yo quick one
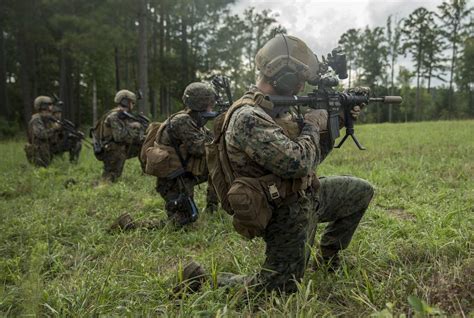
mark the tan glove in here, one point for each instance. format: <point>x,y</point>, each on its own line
<point>135,125</point>
<point>360,90</point>
<point>318,118</point>
<point>356,110</point>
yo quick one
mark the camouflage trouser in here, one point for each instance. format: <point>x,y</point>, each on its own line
<point>74,147</point>
<point>170,190</point>
<point>341,201</point>
<point>71,145</point>
<point>38,154</point>
<point>114,159</point>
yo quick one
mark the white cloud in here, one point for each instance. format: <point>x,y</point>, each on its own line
<point>321,23</point>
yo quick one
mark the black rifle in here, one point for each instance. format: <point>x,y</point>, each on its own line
<point>68,125</point>
<point>140,118</point>
<point>334,103</point>
<point>221,85</point>
<point>326,97</point>
<point>184,201</point>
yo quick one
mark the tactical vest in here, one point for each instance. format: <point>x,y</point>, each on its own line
<point>100,130</point>
<point>250,200</point>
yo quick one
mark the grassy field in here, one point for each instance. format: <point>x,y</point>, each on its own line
<point>413,250</point>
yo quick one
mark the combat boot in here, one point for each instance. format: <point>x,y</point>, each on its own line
<point>327,259</point>
<point>124,222</point>
<point>329,263</point>
<point>194,276</point>
<point>211,208</point>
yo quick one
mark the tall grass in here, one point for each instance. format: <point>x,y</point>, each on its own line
<point>412,254</point>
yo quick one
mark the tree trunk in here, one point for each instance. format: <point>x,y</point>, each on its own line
<point>392,87</point>
<point>350,73</point>
<point>94,101</point>
<point>471,101</point>
<point>76,96</point>
<point>27,68</point>
<point>418,71</point>
<point>63,82</point>
<point>4,110</point>
<point>162,60</point>
<point>453,62</point>
<point>167,50</point>
<point>154,65</point>
<point>117,69</point>
<point>143,57</point>
<point>184,54</point>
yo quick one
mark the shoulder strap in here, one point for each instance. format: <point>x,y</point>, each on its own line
<point>248,99</point>
<point>166,125</point>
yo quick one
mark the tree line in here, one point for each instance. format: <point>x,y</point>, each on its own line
<point>440,46</point>
<point>84,51</point>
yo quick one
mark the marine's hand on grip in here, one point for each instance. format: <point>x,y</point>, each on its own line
<point>361,91</point>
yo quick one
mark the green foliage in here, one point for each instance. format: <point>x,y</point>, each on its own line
<point>8,129</point>
<point>58,259</point>
<point>373,57</point>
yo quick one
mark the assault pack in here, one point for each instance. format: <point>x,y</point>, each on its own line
<point>163,161</point>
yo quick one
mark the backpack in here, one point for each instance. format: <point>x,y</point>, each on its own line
<point>97,133</point>
<point>151,133</point>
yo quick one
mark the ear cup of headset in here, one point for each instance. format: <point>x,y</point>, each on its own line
<point>125,102</point>
<point>286,82</point>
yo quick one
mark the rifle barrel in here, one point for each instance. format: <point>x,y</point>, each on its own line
<point>387,99</point>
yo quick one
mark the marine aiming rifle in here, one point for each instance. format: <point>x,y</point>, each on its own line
<point>326,97</point>
<point>68,125</point>
<point>140,118</point>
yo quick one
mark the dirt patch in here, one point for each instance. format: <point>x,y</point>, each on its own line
<point>453,291</point>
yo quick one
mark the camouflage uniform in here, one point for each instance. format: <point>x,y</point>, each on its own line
<point>121,140</point>
<point>257,146</point>
<point>41,133</point>
<point>64,141</point>
<point>185,131</point>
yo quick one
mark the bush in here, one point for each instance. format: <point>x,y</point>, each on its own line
<point>8,129</point>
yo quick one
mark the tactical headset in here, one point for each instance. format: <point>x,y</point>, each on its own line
<point>44,106</point>
<point>125,102</point>
<point>286,80</point>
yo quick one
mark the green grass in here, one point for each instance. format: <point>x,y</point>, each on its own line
<point>413,250</point>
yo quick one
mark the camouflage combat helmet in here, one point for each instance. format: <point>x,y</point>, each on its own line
<point>123,97</point>
<point>198,96</point>
<point>41,102</point>
<point>287,60</point>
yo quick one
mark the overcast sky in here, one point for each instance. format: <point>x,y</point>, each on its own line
<point>320,23</point>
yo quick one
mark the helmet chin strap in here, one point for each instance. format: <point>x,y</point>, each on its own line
<point>198,119</point>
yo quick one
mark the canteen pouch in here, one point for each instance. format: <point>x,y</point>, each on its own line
<point>217,175</point>
<point>197,166</point>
